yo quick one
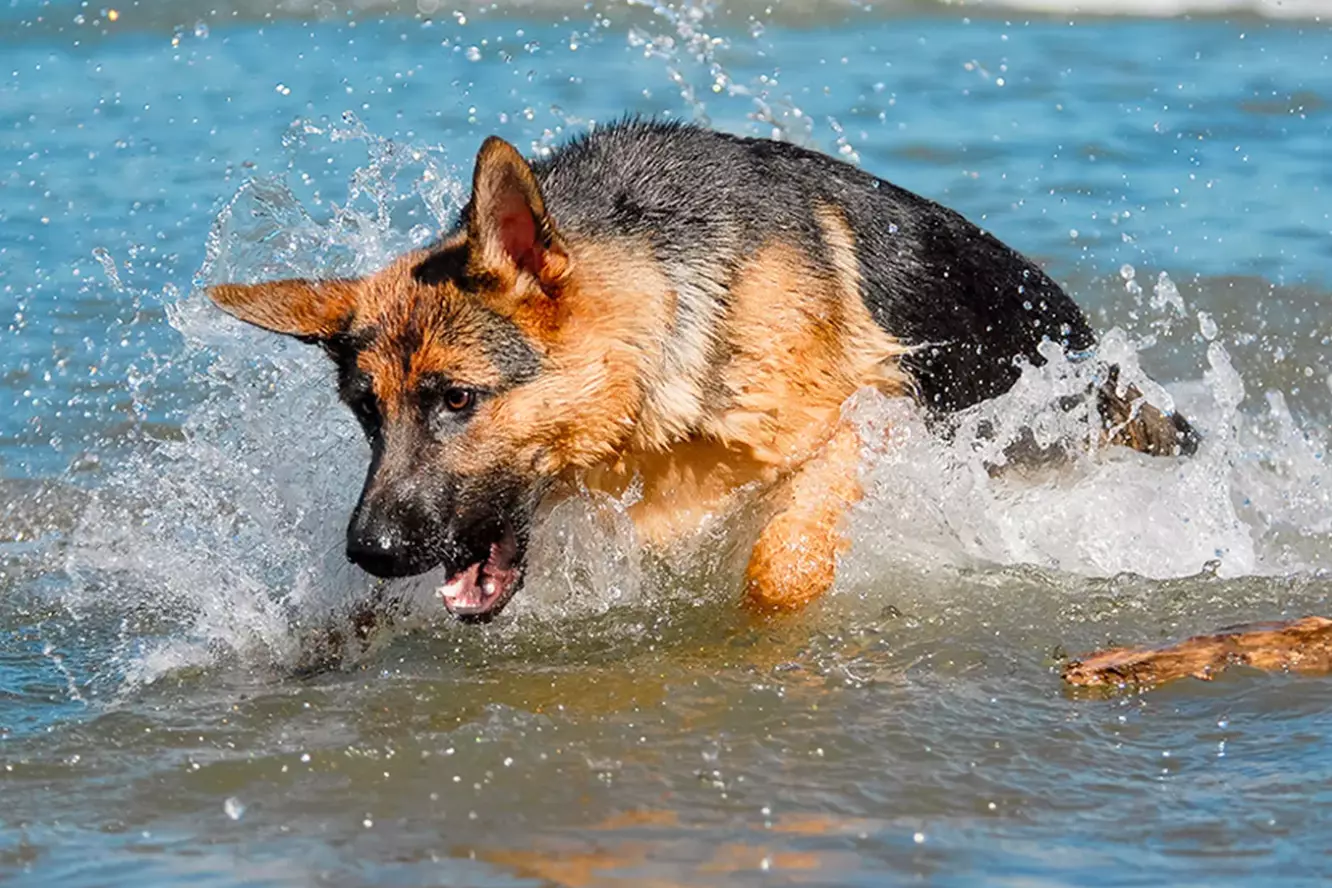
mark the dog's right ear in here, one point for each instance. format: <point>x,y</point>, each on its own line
<point>311,310</point>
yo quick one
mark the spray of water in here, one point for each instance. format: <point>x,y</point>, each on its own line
<point>1253,501</point>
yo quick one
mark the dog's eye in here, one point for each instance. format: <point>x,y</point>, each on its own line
<point>457,400</point>
<point>447,405</point>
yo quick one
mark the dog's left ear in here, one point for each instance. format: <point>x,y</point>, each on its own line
<point>311,310</point>
<point>508,219</point>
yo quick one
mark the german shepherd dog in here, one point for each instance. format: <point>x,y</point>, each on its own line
<point>661,305</point>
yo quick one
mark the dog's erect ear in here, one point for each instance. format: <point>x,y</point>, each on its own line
<point>508,220</point>
<point>312,310</point>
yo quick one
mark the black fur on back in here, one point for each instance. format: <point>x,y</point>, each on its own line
<point>707,201</point>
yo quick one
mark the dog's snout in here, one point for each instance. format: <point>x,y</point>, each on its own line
<point>390,543</point>
<point>378,554</point>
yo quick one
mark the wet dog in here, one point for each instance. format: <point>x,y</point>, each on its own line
<point>661,305</point>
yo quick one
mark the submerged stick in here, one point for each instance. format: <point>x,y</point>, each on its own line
<point>1303,645</point>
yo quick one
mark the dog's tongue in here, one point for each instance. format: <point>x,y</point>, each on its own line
<point>462,593</point>
<point>484,587</point>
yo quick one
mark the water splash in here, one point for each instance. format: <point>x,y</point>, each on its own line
<point>692,47</point>
<point>230,534</point>
<point>1254,500</point>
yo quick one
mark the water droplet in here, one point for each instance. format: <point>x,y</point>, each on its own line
<point>103,257</point>
<point>1165,293</point>
<point>1206,326</point>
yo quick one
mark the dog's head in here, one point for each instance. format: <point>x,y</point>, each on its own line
<point>445,357</point>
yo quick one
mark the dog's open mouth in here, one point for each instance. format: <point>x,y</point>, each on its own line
<point>480,591</point>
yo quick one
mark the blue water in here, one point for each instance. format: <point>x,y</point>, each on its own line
<point>173,487</point>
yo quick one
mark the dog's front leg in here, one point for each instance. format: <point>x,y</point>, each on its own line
<point>795,557</point>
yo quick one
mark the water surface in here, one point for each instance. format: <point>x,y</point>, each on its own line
<point>173,486</point>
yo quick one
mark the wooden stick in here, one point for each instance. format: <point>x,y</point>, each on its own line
<point>1303,645</point>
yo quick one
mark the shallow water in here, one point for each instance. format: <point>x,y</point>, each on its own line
<point>174,487</point>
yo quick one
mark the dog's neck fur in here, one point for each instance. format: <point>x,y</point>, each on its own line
<point>773,407</point>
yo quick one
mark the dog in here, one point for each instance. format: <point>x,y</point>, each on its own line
<point>662,305</point>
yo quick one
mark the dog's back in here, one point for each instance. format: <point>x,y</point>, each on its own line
<point>967,306</point>
<point>708,201</point>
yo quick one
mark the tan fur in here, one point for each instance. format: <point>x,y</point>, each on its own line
<point>795,558</point>
<point>388,301</point>
<point>802,343</point>
<point>586,406</point>
<point>679,490</point>
<point>295,307</point>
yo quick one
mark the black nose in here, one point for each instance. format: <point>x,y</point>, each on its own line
<point>387,550</point>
